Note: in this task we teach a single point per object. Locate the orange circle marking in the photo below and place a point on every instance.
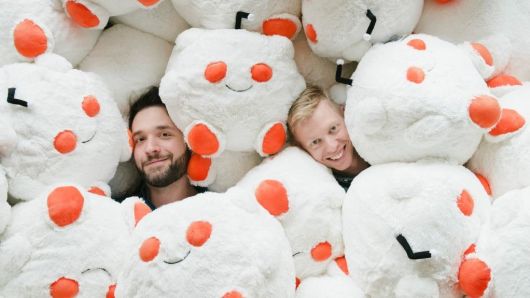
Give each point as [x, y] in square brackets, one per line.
[485, 111]
[311, 33]
[81, 14]
[343, 265]
[198, 167]
[283, 27]
[148, 3]
[484, 52]
[90, 105]
[503, 80]
[65, 141]
[140, 210]
[465, 203]
[29, 38]
[149, 249]
[261, 72]
[65, 204]
[272, 195]
[473, 277]
[97, 191]
[198, 232]
[321, 251]
[64, 288]
[417, 44]
[510, 121]
[202, 140]
[485, 183]
[470, 249]
[274, 139]
[111, 291]
[215, 71]
[415, 75]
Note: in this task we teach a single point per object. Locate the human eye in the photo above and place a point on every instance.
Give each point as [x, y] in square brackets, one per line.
[165, 134]
[334, 128]
[315, 143]
[139, 139]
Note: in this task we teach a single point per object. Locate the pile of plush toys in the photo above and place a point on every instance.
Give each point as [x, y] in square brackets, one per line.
[434, 95]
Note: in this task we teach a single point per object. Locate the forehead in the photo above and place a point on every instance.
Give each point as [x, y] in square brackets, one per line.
[318, 123]
[150, 118]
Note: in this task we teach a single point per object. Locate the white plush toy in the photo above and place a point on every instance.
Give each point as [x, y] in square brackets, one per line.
[58, 124]
[229, 91]
[271, 17]
[346, 29]
[499, 265]
[67, 243]
[503, 156]
[206, 246]
[5, 208]
[305, 198]
[418, 98]
[29, 28]
[406, 227]
[500, 25]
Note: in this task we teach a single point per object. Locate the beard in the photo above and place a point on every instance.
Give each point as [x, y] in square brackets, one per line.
[164, 177]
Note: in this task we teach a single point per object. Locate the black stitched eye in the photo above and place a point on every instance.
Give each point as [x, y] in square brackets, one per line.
[12, 100]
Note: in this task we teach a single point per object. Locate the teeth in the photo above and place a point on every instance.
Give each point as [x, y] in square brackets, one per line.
[339, 155]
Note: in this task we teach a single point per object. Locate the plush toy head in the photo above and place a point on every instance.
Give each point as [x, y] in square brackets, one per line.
[418, 98]
[58, 124]
[205, 246]
[503, 157]
[348, 28]
[305, 198]
[30, 28]
[67, 242]
[407, 226]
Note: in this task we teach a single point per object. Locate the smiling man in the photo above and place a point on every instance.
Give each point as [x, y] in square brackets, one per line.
[317, 126]
[160, 153]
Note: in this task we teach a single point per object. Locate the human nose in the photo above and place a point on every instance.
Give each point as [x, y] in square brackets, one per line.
[331, 144]
[152, 146]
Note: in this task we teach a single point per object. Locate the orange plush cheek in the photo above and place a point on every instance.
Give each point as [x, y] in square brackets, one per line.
[261, 72]
[215, 71]
[198, 233]
[149, 249]
[65, 205]
[90, 105]
[65, 142]
[272, 195]
[64, 288]
[321, 251]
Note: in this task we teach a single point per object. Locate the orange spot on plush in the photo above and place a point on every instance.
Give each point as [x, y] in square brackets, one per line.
[148, 3]
[64, 288]
[202, 140]
[140, 210]
[443, 1]
[503, 80]
[283, 27]
[274, 139]
[484, 111]
[343, 265]
[465, 203]
[30, 40]
[417, 44]
[90, 105]
[110, 291]
[65, 141]
[97, 191]
[65, 205]
[149, 249]
[470, 249]
[261, 72]
[233, 294]
[297, 282]
[484, 52]
[198, 167]
[474, 277]
[272, 196]
[510, 121]
[485, 183]
[81, 14]
[215, 71]
[198, 233]
[321, 251]
[415, 75]
[311, 33]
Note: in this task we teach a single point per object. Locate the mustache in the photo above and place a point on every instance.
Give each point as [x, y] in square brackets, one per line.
[156, 157]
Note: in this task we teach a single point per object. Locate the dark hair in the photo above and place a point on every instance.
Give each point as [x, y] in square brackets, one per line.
[149, 99]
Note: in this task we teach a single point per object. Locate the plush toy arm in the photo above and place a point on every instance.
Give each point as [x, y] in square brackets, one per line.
[271, 138]
[204, 139]
[86, 14]
[510, 124]
[284, 24]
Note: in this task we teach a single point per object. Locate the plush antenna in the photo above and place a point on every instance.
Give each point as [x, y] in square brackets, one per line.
[338, 74]
[242, 15]
[412, 255]
[368, 35]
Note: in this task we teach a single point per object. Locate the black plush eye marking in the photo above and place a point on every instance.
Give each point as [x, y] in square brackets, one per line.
[12, 100]
[412, 255]
[241, 15]
[178, 261]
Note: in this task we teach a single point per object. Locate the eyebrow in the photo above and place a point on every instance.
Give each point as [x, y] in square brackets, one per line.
[160, 127]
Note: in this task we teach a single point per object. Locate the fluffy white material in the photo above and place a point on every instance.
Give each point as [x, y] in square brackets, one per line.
[476, 20]
[232, 83]
[5, 209]
[69, 240]
[162, 21]
[418, 98]
[338, 29]
[206, 246]
[504, 159]
[303, 195]
[436, 208]
[129, 61]
[32, 27]
[71, 129]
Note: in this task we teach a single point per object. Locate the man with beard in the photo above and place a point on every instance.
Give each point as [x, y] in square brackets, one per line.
[160, 153]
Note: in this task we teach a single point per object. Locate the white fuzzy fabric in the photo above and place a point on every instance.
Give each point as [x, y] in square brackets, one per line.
[420, 202]
[35, 251]
[228, 169]
[54, 99]
[341, 24]
[115, 7]
[505, 160]
[5, 209]
[476, 20]
[392, 119]
[129, 61]
[314, 205]
[64, 37]
[246, 251]
[215, 14]
[162, 21]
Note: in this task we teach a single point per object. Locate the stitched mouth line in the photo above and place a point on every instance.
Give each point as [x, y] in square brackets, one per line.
[236, 90]
[178, 261]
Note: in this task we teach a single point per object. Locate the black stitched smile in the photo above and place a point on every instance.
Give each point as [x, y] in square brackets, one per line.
[178, 261]
[236, 90]
[90, 139]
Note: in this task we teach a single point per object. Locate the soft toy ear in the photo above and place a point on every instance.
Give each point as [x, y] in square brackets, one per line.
[510, 124]
[285, 24]
[65, 205]
[134, 209]
[86, 14]
[32, 38]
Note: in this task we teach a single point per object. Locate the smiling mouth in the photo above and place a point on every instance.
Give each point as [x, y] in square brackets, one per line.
[295, 254]
[178, 261]
[155, 161]
[338, 155]
[90, 139]
[236, 90]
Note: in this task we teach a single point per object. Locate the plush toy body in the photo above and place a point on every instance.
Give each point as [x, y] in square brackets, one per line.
[205, 246]
[230, 90]
[503, 156]
[346, 29]
[268, 16]
[418, 98]
[67, 243]
[305, 198]
[58, 124]
[30, 28]
[406, 227]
